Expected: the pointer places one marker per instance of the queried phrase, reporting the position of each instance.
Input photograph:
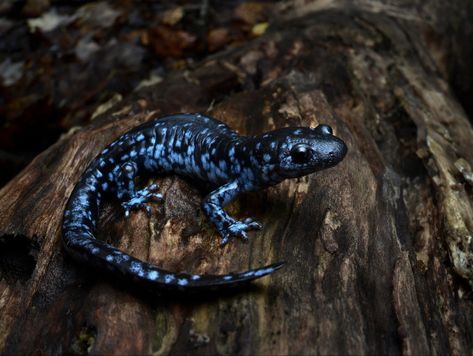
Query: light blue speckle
(169, 278)
(182, 281)
(153, 275)
(136, 268)
(263, 271)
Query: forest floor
(63, 63)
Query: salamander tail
(197, 282)
(96, 253)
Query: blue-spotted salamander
(202, 149)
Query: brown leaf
(217, 38)
(251, 12)
(167, 42)
(173, 16)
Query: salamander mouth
(300, 170)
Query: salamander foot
(141, 198)
(240, 229)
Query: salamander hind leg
(140, 198)
(132, 199)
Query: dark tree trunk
(378, 249)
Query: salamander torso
(205, 150)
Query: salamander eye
(301, 154)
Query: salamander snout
(331, 151)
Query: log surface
(378, 251)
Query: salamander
(207, 151)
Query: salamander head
(296, 152)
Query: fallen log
(378, 249)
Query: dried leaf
(98, 14)
(251, 12)
(173, 16)
(107, 105)
(154, 78)
(167, 42)
(259, 28)
(217, 38)
(49, 21)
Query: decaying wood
(378, 250)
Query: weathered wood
(375, 247)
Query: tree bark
(378, 250)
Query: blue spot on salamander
(169, 278)
(153, 275)
(182, 282)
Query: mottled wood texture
(378, 252)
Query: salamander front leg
(132, 199)
(227, 226)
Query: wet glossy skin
(204, 150)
